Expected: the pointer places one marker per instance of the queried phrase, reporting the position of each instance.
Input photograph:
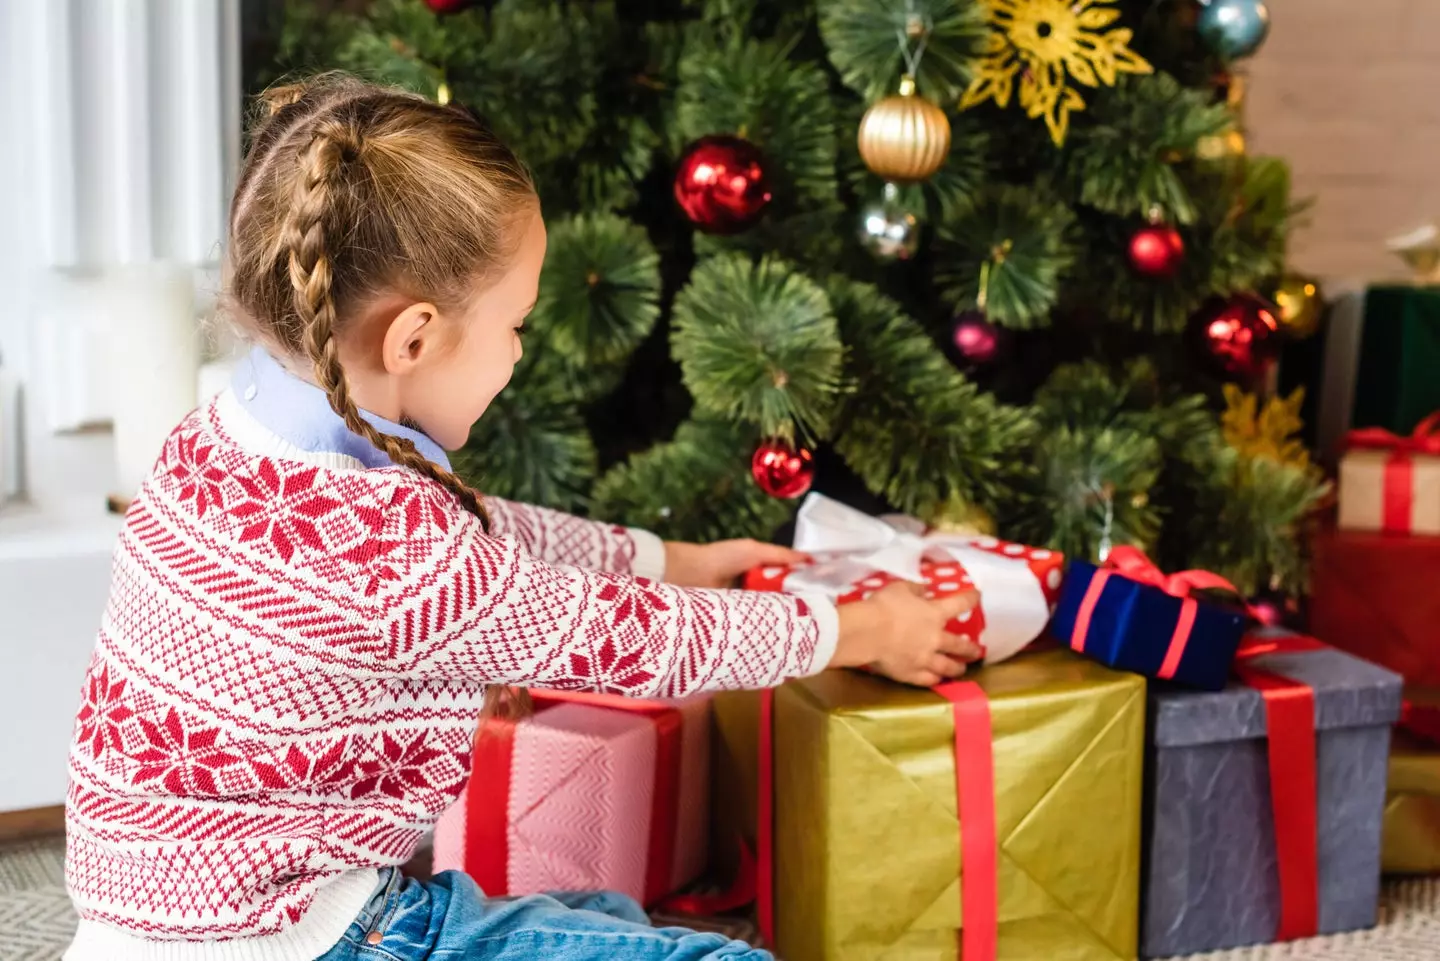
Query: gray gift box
(1210, 877)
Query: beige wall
(1349, 92)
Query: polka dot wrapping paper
(1018, 585)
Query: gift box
(1392, 483)
(1375, 596)
(1382, 348)
(859, 554)
(998, 816)
(1128, 615)
(1265, 800)
(594, 792)
(1412, 807)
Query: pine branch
(1025, 234)
(757, 342)
(695, 487)
(864, 39)
(1248, 522)
(916, 431)
(754, 90)
(531, 445)
(1127, 157)
(1236, 242)
(599, 294)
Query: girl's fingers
(945, 666)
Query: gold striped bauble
(904, 137)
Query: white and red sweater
(287, 679)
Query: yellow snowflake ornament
(1049, 43)
(1267, 431)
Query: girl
(308, 607)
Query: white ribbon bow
(850, 545)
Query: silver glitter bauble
(889, 227)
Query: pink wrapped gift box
(594, 792)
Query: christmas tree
(989, 262)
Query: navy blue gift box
(1137, 625)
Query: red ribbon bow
(1398, 496)
(1131, 563)
(1424, 439)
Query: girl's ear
(410, 337)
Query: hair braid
(322, 164)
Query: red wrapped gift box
(1376, 596)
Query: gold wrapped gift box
(1412, 808)
(866, 832)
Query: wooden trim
(32, 823)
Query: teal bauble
(1233, 28)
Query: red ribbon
(1290, 731)
(1130, 562)
(975, 803)
(1398, 496)
(487, 813)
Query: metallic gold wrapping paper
(866, 836)
(1412, 808)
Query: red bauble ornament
(447, 6)
(1240, 333)
(1156, 251)
(782, 469)
(978, 342)
(721, 184)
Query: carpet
(36, 921)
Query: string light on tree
(1233, 28)
(721, 184)
(783, 469)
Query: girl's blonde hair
(349, 191)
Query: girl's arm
(466, 605)
(561, 538)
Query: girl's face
(459, 382)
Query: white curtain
(119, 136)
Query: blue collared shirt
(299, 413)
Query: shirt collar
(299, 413)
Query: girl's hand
(902, 635)
(721, 564)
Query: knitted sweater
(287, 679)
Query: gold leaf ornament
(1045, 45)
(1269, 430)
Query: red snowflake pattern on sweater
(287, 679)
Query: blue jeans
(449, 919)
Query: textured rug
(36, 921)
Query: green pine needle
(1026, 235)
(599, 292)
(757, 91)
(914, 429)
(531, 445)
(864, 39)
(696, 487)
(1129, 155)
(757, 342)
(1249, 519)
